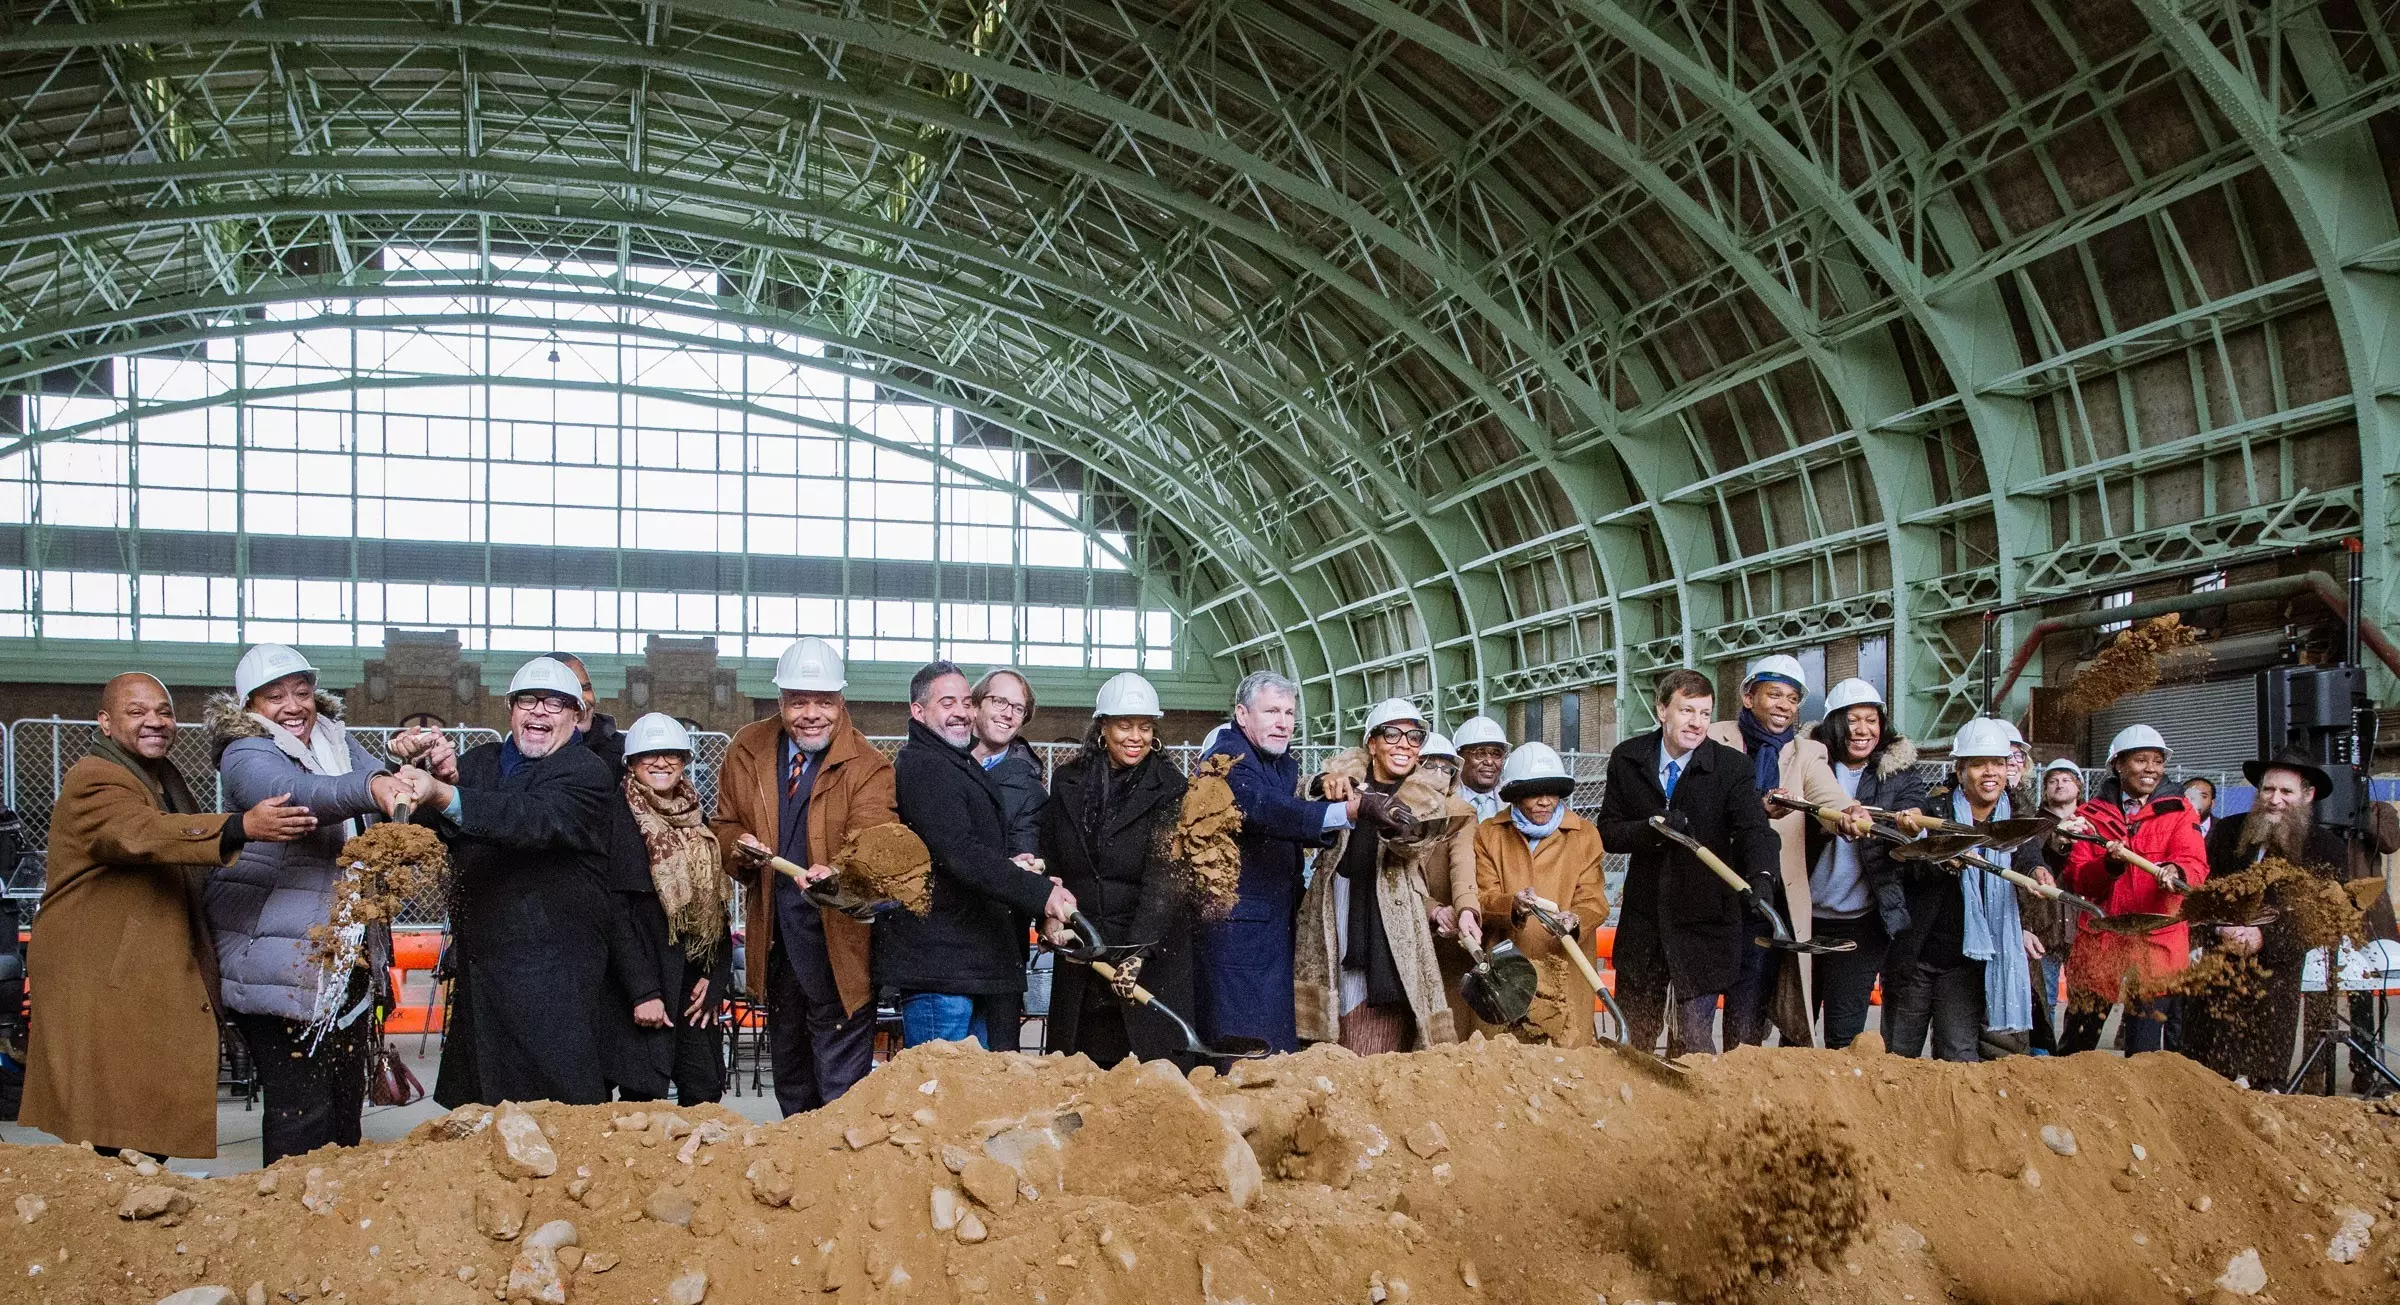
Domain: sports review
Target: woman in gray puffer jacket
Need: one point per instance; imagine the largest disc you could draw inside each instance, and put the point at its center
(308, 1029)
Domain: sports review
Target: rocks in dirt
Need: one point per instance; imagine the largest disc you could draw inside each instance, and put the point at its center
(321, 1192)
(689, 1288)
(519, 1148)
(1468, 1277)
(991, 1183)
(770, 1183)
(861, 1136)
(1427, 1140)
(270, 1181)
(945, 1208)
(2350, 1239)
(970, 1227)
(599, 1262)
(466, 1121)
(208, 1295)
(537, 1274)
(31, 1207)
(499, 1210)
(668, 1205)
(1765, 1200)
(2244, 1275)
(152, 1201)
(2059, 1138)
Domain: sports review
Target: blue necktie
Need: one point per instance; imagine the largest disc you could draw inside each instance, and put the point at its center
(1674, 772)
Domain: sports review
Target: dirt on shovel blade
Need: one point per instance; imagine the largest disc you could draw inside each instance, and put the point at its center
(386, 867)
(887, 861)
(1206, 834)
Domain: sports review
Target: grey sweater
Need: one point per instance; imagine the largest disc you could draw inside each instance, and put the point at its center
(261, 907)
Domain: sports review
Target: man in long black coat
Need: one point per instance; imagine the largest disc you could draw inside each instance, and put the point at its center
(526, 820)
(960, 968)
(2247, 1030)
(1680, 925)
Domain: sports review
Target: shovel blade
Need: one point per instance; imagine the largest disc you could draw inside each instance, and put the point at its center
(1500, 989)
(1807, 947)
(1937, 847)
(2132, 923)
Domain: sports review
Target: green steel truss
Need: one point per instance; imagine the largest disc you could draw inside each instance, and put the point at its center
(1464, 350)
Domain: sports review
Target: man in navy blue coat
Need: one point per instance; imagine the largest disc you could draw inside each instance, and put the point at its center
(1245, 979)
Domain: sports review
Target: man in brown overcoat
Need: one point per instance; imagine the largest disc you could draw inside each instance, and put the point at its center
(124, 979)
(797, 784)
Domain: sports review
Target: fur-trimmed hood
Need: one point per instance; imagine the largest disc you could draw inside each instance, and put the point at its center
(227, 720)
(1896, 753)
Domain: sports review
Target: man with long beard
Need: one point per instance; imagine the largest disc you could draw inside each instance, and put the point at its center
(2245, 1030)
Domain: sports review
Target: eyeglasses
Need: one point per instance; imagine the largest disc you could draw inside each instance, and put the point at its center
(1400, 734)
(543, 704)
(1004, 707)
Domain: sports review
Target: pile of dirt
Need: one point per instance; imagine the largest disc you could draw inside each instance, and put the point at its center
(1205, 837)
(388, 867)
(1485, 1171)
(887, 861)
(2128, 665)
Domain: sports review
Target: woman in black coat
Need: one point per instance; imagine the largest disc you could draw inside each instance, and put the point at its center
(1105, 834)
(670, 958)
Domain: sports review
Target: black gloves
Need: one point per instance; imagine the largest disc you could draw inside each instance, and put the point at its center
(1387, 814)
(1679, 821)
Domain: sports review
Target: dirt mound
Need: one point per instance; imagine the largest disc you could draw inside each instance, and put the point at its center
(887, 861)
(388, 865)
(1488, 1171)
(1205, 837)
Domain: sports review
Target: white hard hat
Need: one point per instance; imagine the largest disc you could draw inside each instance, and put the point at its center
(547, 675)
(2015, 739)
(657, 732)
(266, 663)
(2134, 738)
(1981, 737)
(1479, 729)
(1438, 746)
(1779, 666)
(810, 665)
(2066, 764)
(1126, 694)
(1534, 770)
(1393, 709)
(1850, 693)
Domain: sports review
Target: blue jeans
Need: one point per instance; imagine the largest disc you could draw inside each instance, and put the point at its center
(953, 1017)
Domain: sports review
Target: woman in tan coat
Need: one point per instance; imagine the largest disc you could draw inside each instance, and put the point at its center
(1536, 847)
(1364, 969)
(124, 977)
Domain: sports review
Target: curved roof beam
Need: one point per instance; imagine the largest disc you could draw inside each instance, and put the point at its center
(1967, 326)
(2334, 186)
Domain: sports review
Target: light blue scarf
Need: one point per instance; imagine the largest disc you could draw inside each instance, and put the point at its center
(1536, 833)
(1992, 932)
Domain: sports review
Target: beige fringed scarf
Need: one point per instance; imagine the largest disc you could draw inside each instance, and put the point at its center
(683, 864)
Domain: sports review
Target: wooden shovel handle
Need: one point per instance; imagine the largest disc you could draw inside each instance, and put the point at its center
(1572, 948)
(1108, 973)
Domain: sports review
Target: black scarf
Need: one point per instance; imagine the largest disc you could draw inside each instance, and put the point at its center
(1370, 949)
(165, 783)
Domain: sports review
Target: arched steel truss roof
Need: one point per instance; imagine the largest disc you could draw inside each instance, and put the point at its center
(1451, 348)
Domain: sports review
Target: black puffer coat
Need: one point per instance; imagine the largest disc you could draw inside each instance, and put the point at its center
(1125, 883)
(971, 941)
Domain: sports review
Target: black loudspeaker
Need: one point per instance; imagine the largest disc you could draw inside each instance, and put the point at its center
(2322, 711)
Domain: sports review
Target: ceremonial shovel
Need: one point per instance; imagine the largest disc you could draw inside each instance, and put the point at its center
(1545, 913)
(1782, 939)
(1090, 950)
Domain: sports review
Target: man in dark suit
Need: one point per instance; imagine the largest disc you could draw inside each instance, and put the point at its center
(1680, 925)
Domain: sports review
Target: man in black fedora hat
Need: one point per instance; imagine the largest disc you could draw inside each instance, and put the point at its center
(2247, 1030)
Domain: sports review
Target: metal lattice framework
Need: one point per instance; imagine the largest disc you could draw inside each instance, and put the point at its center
(1456, 349)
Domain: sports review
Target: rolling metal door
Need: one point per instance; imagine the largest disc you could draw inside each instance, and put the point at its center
(2212, 727)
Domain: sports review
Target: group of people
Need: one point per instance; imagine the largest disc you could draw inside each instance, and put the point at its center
(589, 896)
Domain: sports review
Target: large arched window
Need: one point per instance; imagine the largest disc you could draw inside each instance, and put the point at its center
(561, 469)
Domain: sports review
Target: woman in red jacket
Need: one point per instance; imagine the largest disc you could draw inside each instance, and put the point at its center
(2106, 968)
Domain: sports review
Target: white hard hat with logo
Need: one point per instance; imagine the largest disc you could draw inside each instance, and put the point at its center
(657, 732)
(1850, 693)
(2134, 738)
(1392, 710)
(1476, 730)
(266, 663)
(1777, 666)
(810, 665)
(1980, 737)
(547, 675)
(1535, 770)
(1127, 694)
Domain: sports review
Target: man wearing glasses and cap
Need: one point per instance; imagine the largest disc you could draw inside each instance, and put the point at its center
(525, 819)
